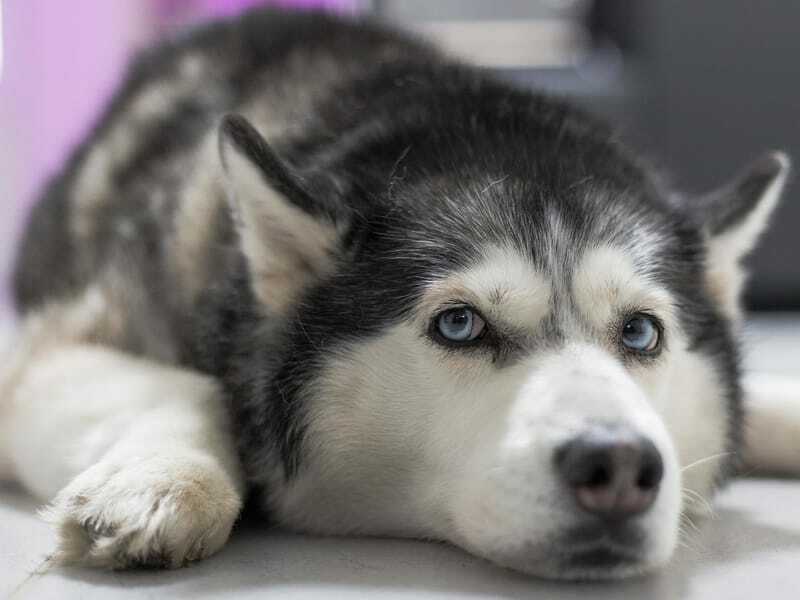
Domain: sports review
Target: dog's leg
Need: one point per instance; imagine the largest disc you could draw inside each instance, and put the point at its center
(772, 424)
(140, 452)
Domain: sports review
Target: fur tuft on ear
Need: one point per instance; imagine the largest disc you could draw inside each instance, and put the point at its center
(288, 238)
(734, 217)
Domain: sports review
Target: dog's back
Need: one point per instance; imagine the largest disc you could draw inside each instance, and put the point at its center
(137, 214)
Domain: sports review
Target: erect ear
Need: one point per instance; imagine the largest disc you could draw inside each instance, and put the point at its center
(734, 217)
(287, 237)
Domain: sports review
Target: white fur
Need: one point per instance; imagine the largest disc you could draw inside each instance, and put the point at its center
(141, 454)
(685, 390)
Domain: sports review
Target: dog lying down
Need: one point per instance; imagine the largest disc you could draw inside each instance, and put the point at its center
(383, 293)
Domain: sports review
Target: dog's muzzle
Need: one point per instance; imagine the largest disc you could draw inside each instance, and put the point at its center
(582, 479)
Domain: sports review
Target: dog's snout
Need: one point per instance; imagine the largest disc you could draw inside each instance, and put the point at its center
(613, 472)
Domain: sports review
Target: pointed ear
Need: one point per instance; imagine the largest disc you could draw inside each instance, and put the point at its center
(288, 238)
(734, 217)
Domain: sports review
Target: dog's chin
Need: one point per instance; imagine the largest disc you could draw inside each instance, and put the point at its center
(595, 564)
(584, 554)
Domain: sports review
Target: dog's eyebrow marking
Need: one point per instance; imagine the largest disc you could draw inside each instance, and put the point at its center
(505, 285)
(606, 280)
(498, 295)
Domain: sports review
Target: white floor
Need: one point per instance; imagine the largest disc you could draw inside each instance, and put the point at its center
(749, 550)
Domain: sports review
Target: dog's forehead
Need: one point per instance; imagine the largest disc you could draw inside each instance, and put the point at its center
(598, 282)
(514, 239)
(544, 216)
(462, 219)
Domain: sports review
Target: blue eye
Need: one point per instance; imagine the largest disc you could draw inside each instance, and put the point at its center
(460, 324)
(641, 334)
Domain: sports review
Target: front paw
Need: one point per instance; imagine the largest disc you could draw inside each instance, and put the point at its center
(154, 512)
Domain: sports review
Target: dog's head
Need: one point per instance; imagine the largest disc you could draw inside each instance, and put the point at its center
(502, 333)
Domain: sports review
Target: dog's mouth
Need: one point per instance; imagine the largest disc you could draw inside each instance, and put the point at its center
(603, 549)
(621, 535)
(589, 551)
(601, 556)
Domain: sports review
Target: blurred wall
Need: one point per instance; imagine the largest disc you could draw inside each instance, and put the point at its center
(720, 86)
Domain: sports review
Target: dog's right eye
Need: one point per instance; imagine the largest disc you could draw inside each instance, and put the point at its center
(641, 333)
(459, 325)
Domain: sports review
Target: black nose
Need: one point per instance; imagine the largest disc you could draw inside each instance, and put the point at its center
(613, 472)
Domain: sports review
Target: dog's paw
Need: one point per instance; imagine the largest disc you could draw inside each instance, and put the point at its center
(150, 512)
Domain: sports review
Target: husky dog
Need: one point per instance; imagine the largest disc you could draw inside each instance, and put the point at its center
(387, 294)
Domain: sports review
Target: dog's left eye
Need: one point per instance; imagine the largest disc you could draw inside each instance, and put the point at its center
(641, 333)
(460, 324)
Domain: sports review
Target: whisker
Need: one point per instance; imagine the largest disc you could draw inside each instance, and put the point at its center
(691, 523)
(690, 539)
(687, 540)
(695, 496)
(705, 504)
(704, 460)
(698, 497)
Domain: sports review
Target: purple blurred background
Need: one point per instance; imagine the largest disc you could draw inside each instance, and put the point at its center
(61, 62)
